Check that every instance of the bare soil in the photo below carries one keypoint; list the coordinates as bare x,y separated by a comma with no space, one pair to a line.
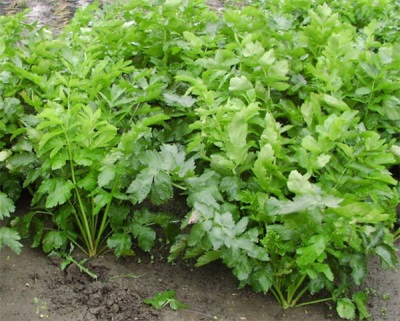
33,287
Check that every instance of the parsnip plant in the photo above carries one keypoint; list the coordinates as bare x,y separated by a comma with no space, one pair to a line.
279,122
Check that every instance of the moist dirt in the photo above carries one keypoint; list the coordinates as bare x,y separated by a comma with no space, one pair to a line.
33,286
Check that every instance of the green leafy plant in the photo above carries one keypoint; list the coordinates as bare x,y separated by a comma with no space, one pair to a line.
163,299
68,259
277,121
8,236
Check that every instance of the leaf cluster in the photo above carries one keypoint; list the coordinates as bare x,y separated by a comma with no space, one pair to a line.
278,122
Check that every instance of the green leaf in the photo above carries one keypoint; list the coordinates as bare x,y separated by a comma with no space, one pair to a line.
176,100
267,58
240,84
117,214
197,232
277,72
336,103
359,268
346,309
6,206
239,261
231,186
53,240
325,269
252,49
298,205
162,190
361,299
121,243
106,175
308,255
2,46
141,186
387,255
160,300
4,154
58,190
195,41
177,249
208,257
222,165
10,238
299,184
88,182
145,235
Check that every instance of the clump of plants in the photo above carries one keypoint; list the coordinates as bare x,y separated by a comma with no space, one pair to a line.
278,122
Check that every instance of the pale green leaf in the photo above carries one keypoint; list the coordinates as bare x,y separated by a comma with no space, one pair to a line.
141,186
336,103
299,184
252,49
176,100
240,84
162,190
278,71
268,58
359,268
346,309
4,154
107,174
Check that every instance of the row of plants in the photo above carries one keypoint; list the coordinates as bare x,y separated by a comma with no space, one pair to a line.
278,123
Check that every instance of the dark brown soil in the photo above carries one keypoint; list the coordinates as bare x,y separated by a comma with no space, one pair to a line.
33,287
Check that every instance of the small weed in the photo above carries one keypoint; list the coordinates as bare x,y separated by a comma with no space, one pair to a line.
161,300
68,259
41,308
383,311
372,292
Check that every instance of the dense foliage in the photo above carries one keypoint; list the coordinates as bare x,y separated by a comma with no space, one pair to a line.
277,122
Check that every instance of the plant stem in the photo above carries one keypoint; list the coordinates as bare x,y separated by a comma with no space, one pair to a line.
313,302
81,267
85,229
293,290
396,235
301,293
279,296
104,221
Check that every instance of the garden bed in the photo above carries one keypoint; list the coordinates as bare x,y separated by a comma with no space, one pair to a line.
176,153
33,287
